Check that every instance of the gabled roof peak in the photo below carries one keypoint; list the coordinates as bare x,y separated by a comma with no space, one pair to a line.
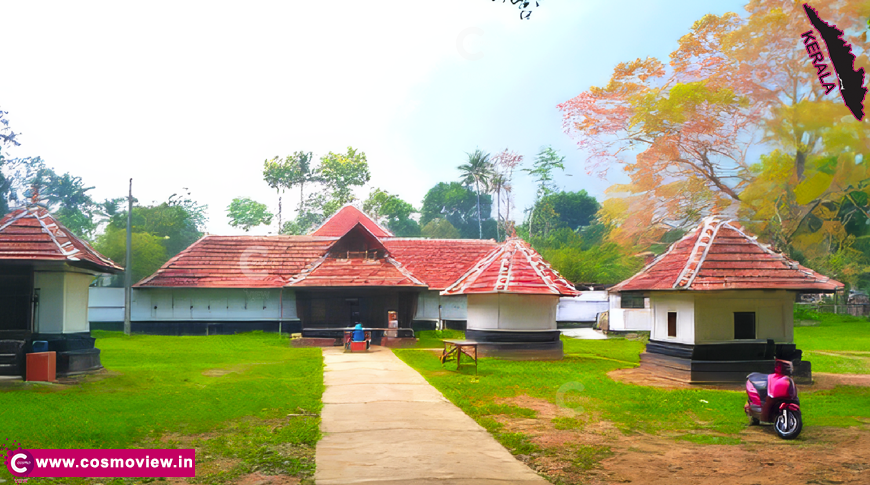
345,219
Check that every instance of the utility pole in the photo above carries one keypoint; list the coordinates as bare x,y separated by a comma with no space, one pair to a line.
128,270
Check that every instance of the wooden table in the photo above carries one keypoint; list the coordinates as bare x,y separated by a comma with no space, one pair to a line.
457,348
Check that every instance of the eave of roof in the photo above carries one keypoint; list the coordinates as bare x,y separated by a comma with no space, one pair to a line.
32,234
719,255
513,267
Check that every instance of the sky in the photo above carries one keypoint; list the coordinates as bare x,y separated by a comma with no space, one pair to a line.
194,96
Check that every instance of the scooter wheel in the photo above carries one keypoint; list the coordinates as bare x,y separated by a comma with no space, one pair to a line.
754,421
788,424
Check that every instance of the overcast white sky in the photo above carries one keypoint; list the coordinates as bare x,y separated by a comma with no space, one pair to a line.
199,94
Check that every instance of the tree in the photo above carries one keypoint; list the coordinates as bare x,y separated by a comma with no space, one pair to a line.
477,170
504,164
458,204
682,132
285,174
546,161
247,213
66,196
571,210
149,252
392,212
339,173
178,222
440,229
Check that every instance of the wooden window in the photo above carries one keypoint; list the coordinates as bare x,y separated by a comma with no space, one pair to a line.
744,325
672,324
631,300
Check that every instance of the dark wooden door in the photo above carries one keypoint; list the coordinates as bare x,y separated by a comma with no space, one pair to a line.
16,302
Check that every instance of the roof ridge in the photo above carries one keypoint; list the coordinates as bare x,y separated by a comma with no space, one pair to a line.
481,263
711,225
405,271
534,265
307,270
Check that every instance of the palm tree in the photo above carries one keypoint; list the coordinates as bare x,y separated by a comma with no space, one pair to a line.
498,184
477,170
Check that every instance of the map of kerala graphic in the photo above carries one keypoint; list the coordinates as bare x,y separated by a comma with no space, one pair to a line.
851,81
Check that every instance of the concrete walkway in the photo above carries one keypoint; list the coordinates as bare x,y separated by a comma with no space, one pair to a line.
383,423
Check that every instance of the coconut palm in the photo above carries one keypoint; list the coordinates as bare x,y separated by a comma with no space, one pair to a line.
498,184
478,170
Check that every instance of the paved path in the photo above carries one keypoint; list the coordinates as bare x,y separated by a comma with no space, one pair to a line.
583,333
396,428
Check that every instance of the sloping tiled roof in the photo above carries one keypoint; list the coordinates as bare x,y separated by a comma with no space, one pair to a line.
346,218
331,271
239,262
438,262
33,234
513,267
719,255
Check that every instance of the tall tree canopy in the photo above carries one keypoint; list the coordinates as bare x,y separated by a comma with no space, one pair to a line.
682,132
332,183
440,229
339,173
457,204
284,174
392,212
477,171
542,170
248,213
504,164
571,210
160,231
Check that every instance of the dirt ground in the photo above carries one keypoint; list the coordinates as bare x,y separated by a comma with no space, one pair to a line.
598,453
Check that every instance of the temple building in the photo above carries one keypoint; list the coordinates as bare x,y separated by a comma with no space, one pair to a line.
349,270
721,305
45,271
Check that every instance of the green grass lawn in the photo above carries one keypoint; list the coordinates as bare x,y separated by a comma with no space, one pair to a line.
580,382
838,344
228,396
434,339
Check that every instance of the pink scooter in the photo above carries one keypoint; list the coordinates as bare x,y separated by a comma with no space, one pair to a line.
773,399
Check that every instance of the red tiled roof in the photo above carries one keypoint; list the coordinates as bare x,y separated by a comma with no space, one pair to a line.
331,271
438,262
239,262
33,234
719,255
513,267
344,220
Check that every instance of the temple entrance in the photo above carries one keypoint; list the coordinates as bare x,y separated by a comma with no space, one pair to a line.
324,309
16,300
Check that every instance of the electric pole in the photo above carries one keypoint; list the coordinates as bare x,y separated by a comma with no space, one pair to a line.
128,267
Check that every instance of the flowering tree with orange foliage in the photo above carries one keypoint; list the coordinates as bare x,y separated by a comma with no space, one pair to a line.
681,132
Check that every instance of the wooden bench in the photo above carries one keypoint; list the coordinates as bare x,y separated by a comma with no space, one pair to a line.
455,349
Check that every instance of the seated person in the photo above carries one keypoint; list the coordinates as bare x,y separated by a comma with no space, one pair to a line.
359,334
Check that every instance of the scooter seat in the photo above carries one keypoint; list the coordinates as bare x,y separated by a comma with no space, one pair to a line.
759,381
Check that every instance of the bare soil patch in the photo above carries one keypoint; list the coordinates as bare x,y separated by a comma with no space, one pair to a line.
594,452
821,381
